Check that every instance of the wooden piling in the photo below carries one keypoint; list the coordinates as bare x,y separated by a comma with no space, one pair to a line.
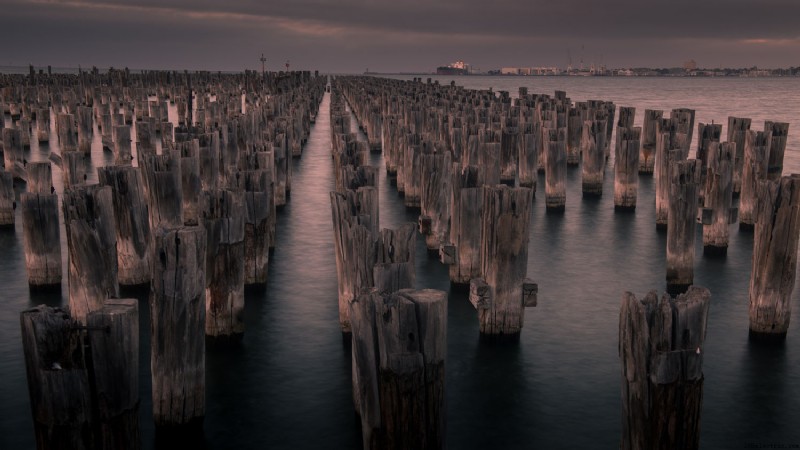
58,379
593,144
661,347
685,179
777,148
223,217
737,132
355,223
718,213
774,262
131,215
43,125
528,158
91,241
399,353
435,199
394,267
754,169
7,202
462,253
177,325
114,336
501,295
626,166
41,238
647,153
164,186
555,170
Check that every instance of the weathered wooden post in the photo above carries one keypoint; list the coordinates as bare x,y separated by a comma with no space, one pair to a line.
574,136
399,353
133,224
434,220
164,186
257,192
58,379
754,169
7,202
355,223
626,167
594,159
649,136
718,213
462,253
114,336
43,125
509,149
223,219
528,158
685,179
668,150
177,324
84,118
661,346
394,259
777,148
774,257
41,235
555,192
12,153
122,146
73,169
503,292
191,183
91,240
737,132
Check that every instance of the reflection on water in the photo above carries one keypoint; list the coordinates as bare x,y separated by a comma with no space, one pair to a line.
287,383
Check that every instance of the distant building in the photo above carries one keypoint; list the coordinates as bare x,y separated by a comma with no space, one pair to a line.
690,65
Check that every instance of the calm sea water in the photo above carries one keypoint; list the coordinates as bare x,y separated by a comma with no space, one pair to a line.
287,384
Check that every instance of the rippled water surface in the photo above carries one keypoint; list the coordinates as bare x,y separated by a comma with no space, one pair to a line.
287,384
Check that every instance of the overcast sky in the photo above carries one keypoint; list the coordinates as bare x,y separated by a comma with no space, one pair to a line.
398,35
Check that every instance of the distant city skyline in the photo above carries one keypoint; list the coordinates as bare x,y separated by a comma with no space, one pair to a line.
389,36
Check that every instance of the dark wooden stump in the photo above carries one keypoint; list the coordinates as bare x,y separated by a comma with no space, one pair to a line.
223,217
661,346
178,319
399,353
